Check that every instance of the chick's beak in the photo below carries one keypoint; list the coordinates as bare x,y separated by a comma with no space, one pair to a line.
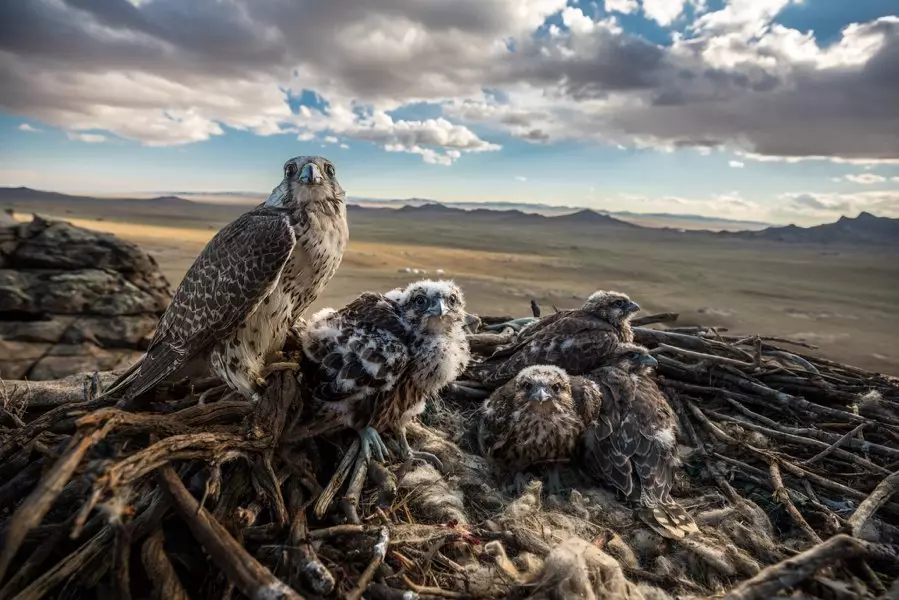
311,175
632,307
438,308
540,394
649,360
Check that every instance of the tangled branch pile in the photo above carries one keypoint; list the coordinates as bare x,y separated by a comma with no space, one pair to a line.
790,463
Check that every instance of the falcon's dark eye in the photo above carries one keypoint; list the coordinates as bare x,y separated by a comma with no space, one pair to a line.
290,170
329,169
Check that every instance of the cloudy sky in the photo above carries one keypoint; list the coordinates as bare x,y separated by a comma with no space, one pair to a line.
775,110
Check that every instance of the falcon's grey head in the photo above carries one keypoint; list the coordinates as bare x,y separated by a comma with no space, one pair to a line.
612,307
310,182
431,306
633,358
542,385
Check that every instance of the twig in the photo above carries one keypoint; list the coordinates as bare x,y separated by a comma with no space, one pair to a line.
376,560
704,356
827,451
873,502
433,591
668,317
783,496
327,532
337,480
794,570
250,577
166,585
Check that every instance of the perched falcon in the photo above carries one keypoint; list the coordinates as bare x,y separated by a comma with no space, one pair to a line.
632,444
537,417
577,340
250,283
373,364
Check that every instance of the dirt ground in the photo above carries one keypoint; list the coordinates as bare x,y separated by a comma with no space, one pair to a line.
846,300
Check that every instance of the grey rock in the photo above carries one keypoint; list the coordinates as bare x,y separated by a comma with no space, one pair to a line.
73,300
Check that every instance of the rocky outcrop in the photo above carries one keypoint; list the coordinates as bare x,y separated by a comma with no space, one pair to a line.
73,300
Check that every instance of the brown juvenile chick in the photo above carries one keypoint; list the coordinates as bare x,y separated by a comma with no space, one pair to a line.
578,340
537,418
632,445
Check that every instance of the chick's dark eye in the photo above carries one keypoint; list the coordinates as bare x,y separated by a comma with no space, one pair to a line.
290,170
453,299
557,387
634,355
329,169
619,303
420,300
527,386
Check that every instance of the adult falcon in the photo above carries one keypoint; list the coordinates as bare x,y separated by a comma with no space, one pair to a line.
578,340
374,364
250,284
632,444
537,418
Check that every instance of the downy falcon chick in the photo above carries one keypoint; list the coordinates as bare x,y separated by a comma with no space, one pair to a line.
374,364
578,340
250,284
537,418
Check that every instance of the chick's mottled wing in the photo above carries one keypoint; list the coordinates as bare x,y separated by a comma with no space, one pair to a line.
575,342
607,443
655,458
493,420
587,399
358,352
235,271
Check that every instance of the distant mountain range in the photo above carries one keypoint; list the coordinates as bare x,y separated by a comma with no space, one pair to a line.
864,229
686,220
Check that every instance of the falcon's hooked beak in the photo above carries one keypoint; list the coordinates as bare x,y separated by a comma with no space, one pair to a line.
437,308
539,394
649,360
631,307
311,175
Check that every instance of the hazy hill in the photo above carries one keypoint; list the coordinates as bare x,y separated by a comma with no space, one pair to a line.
865,229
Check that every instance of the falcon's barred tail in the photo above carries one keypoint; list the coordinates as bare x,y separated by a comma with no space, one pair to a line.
157,364
125,379
669,520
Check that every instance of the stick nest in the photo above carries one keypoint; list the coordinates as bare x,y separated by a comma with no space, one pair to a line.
790,461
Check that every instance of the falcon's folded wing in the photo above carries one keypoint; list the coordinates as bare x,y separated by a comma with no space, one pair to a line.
229,279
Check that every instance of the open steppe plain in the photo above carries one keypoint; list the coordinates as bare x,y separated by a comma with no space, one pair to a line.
843,299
